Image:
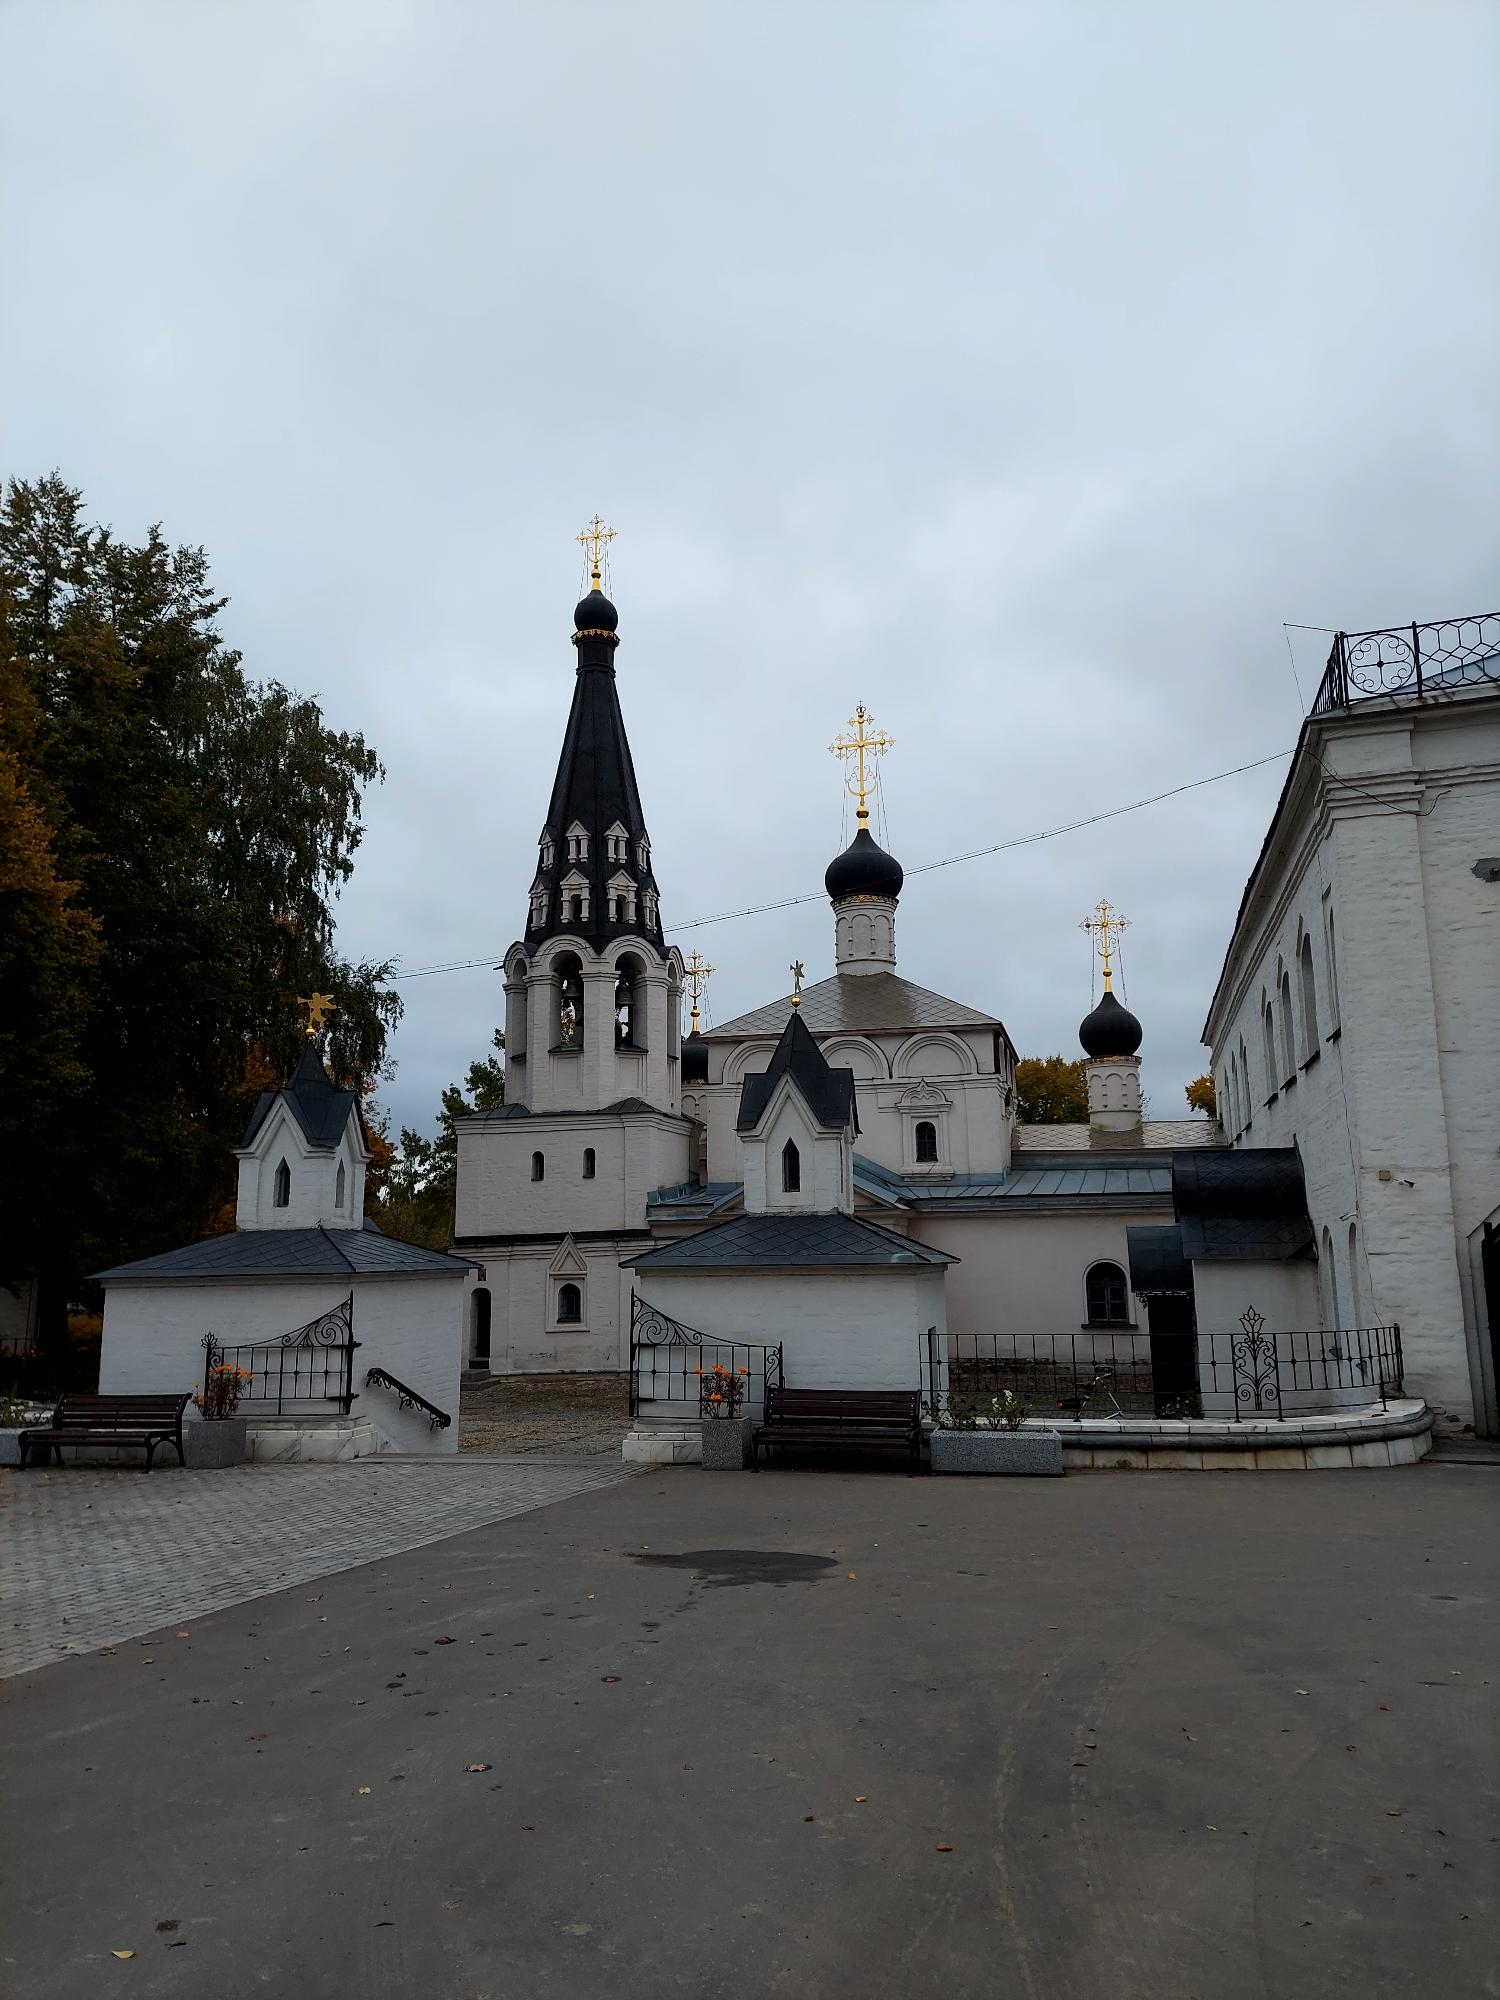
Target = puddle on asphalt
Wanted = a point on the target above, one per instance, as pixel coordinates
(721, 1569)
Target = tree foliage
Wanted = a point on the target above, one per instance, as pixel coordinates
(1202, 1096)
(416, 1200)
(1050, 1090)
(175, 835)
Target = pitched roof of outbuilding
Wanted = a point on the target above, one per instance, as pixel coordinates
(829, 1092)
(319, 1107)
(859, 1004)
(291, 1253)
(829, 1242)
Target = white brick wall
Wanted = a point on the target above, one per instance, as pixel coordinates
(1396, 1112)
(153, 1337)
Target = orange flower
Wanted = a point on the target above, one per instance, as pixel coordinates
(744, 1371)
(697, 1371)
(716, 1399)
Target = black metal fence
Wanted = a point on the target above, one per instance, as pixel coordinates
(1067, 1377)
(305, 1372)
(1413, 660)
(671, 1365)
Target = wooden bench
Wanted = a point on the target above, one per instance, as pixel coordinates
(109, 1423)
(854, 1419)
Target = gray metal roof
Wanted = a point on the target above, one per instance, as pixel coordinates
(318, 1106)
(623, 1107)
(828, 1093)
(829, 1242)
(292, 1253)
(859, 1004)
(1028, 1181)
(1153, 1135)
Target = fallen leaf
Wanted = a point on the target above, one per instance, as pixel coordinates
(609, 1677)
(853, 1578)
(862, 1798)
(1302, 1690)
(364, 1791)
(476, 1767)
(122, 1954)
(178, 1944)
(1305, 1925)
(1385, 1708)
(1213, 1829)
(444, 1641)
(944, 1847)
(167, 1924)
(808, 1817)
(1394, 1812)
(182, 1635)
(1351, 1746)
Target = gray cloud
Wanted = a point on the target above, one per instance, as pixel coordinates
(1014, 370)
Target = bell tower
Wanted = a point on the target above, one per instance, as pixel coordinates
(593, 995)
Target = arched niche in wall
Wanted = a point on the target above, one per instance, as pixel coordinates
(747, 1060)
(854, 1052)
(935, 1055)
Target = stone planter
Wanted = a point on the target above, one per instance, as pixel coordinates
(210, 1444)
(726, 1443)
(1038, 1453)
(10, 1445)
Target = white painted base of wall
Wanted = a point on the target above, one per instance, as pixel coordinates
(292, 1441)
(1399, 1434)
(663, 1444)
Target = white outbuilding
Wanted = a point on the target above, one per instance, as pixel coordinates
(352, 1340)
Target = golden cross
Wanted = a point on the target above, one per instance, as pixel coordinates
(796, 982)
(319, 1006)
(697, 970)
(596, 539)
(865, 742)
(1105, 926)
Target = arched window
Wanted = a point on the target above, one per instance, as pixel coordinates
(1333, 975)
(538, 1167)
(791, 1168)
(569, 1305)
(1107, 1296)
(281, 1191)
(479, 1322)
(1309, 1001)
(1356, 1314)
(1268, 1035)
(338, 1186)
(1288, 1037)
(1247, 1110)
(926, 1137)
(588, 1163)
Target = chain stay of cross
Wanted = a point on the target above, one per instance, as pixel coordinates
(595, 540)
(1104, 925)
(697, 970)
(866, 742)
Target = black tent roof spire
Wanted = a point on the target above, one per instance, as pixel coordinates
(593, 879)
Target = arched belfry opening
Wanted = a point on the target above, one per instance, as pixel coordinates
(630, 1016)
(567, 976)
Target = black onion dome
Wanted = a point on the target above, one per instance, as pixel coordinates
(695, 1059)
(863, 869)
(1111, 1030)
(595, 613)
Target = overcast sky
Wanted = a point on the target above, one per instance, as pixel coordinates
(1014, 370)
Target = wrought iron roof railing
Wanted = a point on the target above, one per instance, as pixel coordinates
(1408, 662)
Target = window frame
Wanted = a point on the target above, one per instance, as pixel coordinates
(1091, 1320)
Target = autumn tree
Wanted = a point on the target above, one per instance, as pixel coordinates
(1050, 1090)
(1202, 1096)
(201, 824)
(421, 1183)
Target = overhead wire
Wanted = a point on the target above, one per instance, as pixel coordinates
(921, 868)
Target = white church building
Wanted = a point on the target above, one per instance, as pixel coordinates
(623, 1141)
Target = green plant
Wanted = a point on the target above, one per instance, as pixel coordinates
(1008, 1410)
(1005, 1412)
(12, 1409)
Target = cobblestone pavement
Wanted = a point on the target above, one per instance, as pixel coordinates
(91, 1557)
(591, 1428)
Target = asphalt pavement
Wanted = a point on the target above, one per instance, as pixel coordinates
(842, 1734)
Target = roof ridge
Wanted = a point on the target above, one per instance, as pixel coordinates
(335, 1247)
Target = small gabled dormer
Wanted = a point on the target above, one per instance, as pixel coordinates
(797, 1125)
(304, 1155)
(577, 837)
(617, 844)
